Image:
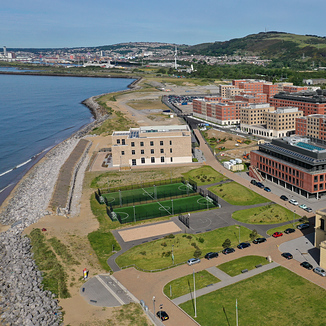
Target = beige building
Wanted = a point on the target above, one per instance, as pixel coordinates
(151, 145)
(255, 114)
(320, 235)
(229, 91)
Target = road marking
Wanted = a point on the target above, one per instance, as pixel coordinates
(110, 290)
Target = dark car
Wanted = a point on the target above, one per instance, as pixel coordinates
(259, 240)
(162, 315)
(210, 255)
(287, 255)
(283, 197)
(267, 189)
(254, 182)
(243, 245)
(260, 185)
(303, 226)
(289, 230)
(228, 251)
(305, 264)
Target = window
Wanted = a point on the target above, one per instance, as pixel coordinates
(143, 160)
(162, 159)
(151, 143)
(132, 144)
(162, 150)
(133, 152)
(122, 152)
(152, 159)
(322, 224)
(161, 142)
(123, 142)
(170, 150)
(141, 143)
(170, 142)
(142, 151)
(118, 141)
(171, 159)
(316, 178)
(152, 151)
(133, 161)
(321, 177)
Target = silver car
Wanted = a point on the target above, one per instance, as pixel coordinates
(192, 261)
(319, 271)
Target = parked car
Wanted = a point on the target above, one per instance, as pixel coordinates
(259, 240)
(254, 182)
(267, 189)
(192, 261)
(319, 271)
(287, 255)
(303, 226)
(260, 185)
(277, 234)
(308, 209)
(303, 206)
(228, 251)
(162, 315)
(283, 197)
(210, 255)
(289, 230)
(243, 245)
(293, 202)
(307, 265)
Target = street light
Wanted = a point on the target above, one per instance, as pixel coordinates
(238, 226)
(172, 255)
(154, 304)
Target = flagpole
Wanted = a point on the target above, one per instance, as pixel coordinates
(195, 293)
(236, 310)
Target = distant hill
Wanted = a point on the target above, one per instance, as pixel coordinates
(268, 45)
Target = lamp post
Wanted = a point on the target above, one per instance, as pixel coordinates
(293, 216)
(172, 255)
(134, 214)
(154, 304)
(238, 226)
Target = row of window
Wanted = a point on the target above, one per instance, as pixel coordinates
(143, 160)
(132, 144)
(142, 151)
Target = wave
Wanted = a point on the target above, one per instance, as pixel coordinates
(5, 188)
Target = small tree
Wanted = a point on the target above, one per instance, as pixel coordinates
(197, 253)
(253, 234)
(226, 243)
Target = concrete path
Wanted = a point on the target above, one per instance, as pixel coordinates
(227, 281)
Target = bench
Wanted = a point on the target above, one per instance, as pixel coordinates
(244, 271)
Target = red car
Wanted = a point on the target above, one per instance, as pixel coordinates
(277, 234)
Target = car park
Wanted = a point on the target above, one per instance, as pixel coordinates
(303, 206)
(211, 255)
(243, 245)
(227, 251)
(303, 226)
(253, 182)
(308, 209)
(293, 202)
(260, 185)
(289, 230)
(259, 240)
(307, 265)
(277, 234)
(162, 315)
(287, 255)
(267, 189)
(193, 261)
(319, 271)
(283, 197)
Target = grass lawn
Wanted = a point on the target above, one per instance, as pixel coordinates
(236, 194)
(275, 297)
(185, 284)
(205, 175)
(268, 214)
(157, 254)
(235, 267)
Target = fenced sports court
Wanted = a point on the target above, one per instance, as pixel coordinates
(161, 208)
(145, 194)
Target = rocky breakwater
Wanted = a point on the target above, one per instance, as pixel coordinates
(22, 298)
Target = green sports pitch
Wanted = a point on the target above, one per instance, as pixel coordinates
(162, 208)
(139, 195)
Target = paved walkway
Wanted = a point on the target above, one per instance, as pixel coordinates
(225, 281)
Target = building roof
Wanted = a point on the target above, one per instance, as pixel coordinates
(305, 96)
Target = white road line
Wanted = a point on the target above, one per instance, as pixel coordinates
(110, 290)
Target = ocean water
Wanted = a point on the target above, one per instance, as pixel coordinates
(38, 112)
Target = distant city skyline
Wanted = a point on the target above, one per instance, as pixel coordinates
(56, 24)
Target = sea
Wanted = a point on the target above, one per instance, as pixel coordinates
(38, 112)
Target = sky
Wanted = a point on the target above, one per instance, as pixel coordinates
(72, 23)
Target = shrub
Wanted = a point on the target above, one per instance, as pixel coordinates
(189, 237)
(163, 244)
(170, 236)
(197, 253)
(253, 234)
(201, 240)
(143, 253)
(226, 243)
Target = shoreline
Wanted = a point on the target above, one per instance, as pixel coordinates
(99, 116)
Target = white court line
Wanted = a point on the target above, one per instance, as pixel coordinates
(157, 202)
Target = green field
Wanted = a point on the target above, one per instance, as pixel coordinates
(234, 267)
(162, 208)
(147, 194)
(275, 297)
(268, 214)
(156, 254)
(185, 284)
(236, 194)
(205, 175)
